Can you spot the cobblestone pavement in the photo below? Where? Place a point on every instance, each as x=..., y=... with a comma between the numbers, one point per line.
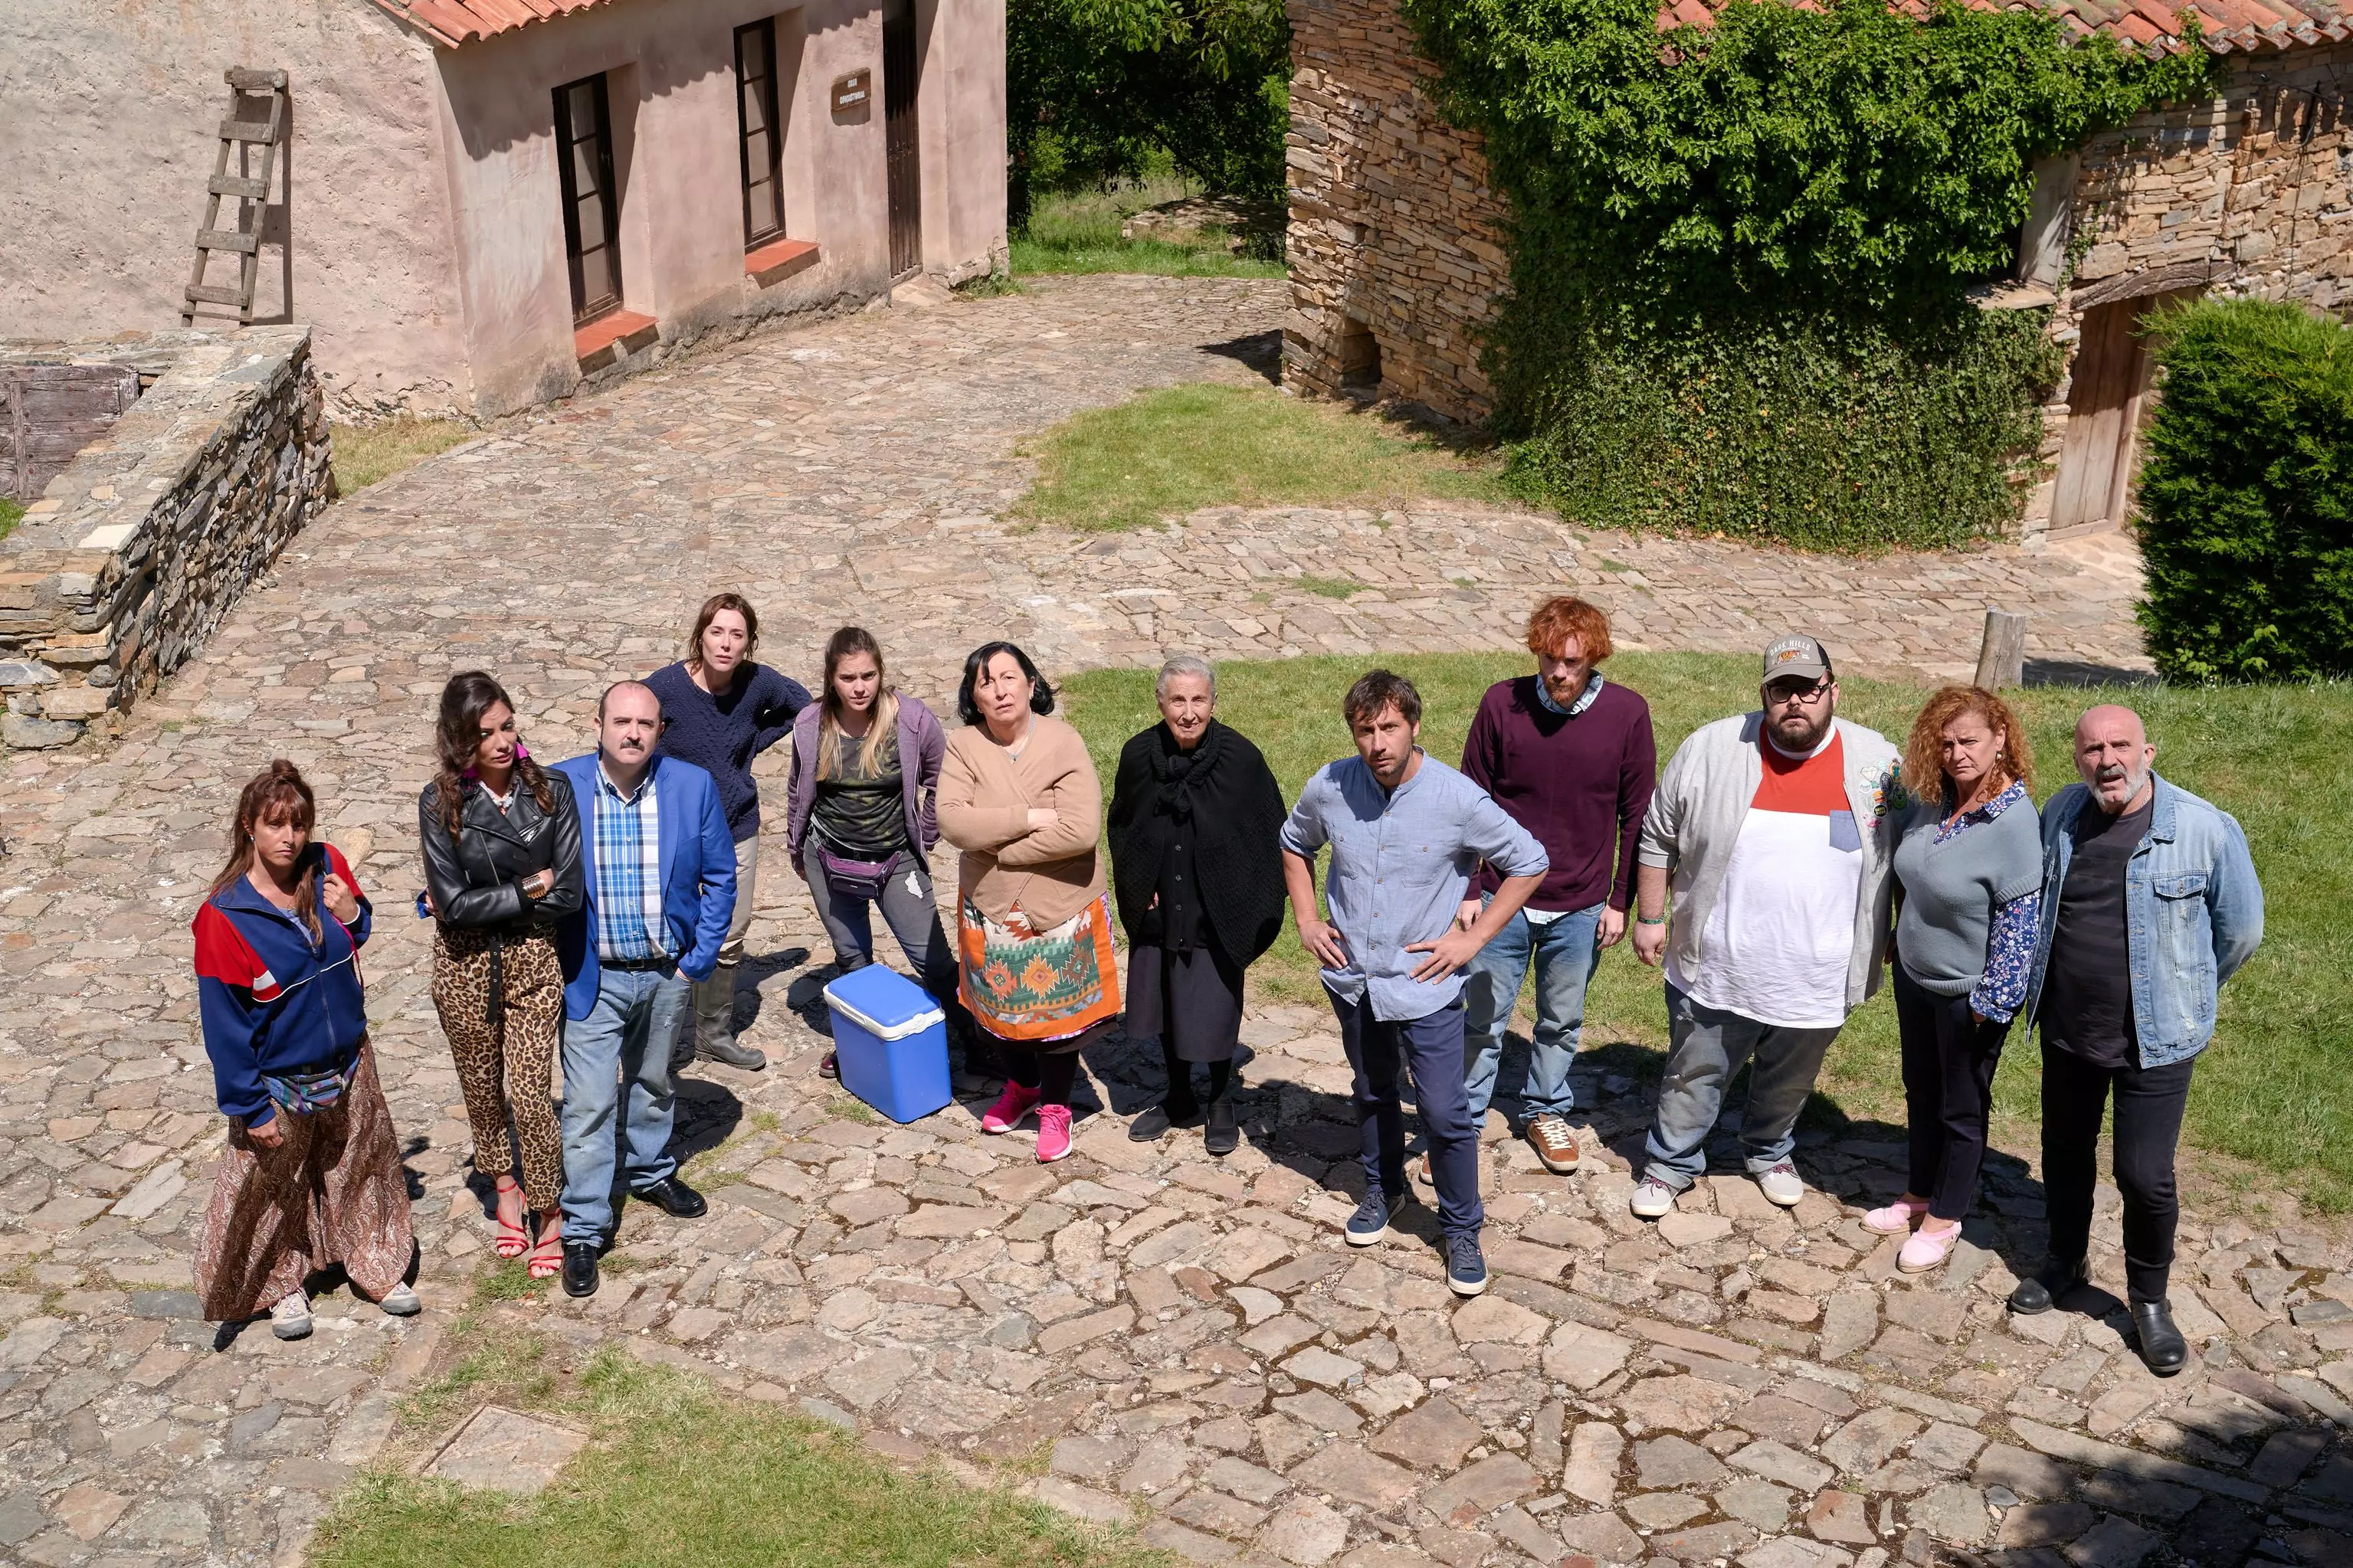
x=1187, y=1337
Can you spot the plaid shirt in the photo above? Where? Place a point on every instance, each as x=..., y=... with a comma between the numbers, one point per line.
x=628, y=873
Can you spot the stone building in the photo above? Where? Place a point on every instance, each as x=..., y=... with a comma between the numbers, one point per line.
x=1397, y=253
x=482, y=202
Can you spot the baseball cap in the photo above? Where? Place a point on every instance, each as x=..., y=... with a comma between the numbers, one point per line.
x=1796, y=654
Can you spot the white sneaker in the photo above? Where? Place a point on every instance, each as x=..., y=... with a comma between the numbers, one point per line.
x=1652, y=1197
x=1780, y=1183
x=401, y=1301
x=290, y=1319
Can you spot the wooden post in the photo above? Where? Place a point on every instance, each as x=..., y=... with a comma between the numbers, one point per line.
x=2001, y=657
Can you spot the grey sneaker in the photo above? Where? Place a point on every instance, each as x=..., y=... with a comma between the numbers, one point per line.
x=401, y=1301
x=1652, y=1197
x=290, y=1319
x=1781, y=1184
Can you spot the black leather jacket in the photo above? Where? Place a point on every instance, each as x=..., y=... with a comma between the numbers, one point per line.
x=476, y=878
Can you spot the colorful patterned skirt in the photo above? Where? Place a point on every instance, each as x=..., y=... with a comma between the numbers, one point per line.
x=1039, y=990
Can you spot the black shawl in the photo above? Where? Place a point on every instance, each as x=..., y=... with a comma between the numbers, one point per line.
x=1237, y=811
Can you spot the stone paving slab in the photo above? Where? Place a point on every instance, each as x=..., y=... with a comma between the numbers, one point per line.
x=1177, y=1335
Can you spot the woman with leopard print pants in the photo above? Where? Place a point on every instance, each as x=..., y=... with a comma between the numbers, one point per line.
x=501, y=845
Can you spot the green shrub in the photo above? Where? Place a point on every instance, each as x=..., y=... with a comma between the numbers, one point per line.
x=1822, y=434
x=2246, y=499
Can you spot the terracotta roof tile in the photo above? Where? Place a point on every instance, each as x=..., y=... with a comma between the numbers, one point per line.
x=2231, y=27
x=456, y=22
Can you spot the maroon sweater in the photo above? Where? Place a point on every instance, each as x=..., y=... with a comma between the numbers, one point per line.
x=1581, y=784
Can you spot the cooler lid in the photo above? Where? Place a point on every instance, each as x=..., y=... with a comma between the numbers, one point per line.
x=883, y=1002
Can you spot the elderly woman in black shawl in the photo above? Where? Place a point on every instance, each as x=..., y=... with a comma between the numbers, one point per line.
x=1198, y=870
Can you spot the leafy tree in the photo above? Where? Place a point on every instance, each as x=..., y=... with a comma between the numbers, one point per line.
x=1100, y=89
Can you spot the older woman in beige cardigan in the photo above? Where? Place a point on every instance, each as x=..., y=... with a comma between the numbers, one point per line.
x=1019, y=795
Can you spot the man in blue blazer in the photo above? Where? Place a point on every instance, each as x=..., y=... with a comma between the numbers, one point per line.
x=662, y=887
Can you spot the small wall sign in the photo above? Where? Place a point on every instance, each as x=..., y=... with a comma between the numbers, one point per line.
x=852, y=91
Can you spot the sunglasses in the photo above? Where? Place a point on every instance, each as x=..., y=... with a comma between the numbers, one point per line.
x=1805, y=692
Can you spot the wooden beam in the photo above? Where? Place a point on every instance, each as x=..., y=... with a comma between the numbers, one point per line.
x=2002, y=655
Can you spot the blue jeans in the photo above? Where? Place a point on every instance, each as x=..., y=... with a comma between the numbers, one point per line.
x=1706, y=1048
x=623, y=1046
x=1432, y=1048
x=1564, y=952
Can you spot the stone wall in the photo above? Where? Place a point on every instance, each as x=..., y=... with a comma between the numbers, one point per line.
x=2251, y=194
x=1397, y=245
x=132, y=555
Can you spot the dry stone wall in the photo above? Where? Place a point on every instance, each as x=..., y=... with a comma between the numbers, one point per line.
x=1397, y=243
x=133, y=554
x=2251, y=194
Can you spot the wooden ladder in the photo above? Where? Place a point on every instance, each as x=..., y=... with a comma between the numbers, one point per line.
x=252, y=189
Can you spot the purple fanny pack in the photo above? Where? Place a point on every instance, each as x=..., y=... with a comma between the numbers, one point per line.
x=855, y=879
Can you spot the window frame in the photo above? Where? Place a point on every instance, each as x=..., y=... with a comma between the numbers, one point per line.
x=755, y=234
x=567, y=140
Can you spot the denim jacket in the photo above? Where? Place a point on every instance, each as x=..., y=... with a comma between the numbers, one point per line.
x=2193, y=911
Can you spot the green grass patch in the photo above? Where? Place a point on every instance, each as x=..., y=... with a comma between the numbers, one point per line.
x=1326, y=587
x=1171, y=451
x=678, y=1476
x=364, y=454
x=1080, y=233
x=11, y=514
x=2271, y=1093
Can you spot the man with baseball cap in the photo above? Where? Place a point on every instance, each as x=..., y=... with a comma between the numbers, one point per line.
x=1774, y=829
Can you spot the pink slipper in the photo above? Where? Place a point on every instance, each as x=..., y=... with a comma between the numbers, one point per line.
x=1924, y=1249
x=1011, y=1107
x=1896, y=1218
x=1053, y=1132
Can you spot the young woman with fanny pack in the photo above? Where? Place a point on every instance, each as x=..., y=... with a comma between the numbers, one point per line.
x=310, y=1175
x=860, y=823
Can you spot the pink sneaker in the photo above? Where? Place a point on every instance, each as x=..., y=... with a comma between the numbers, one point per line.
x=1924, y=1249
x=1053, y=1132
x=1011, y=1107
x=1896, y=1218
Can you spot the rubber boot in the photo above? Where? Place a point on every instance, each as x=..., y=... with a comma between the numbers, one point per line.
x=714, y=1023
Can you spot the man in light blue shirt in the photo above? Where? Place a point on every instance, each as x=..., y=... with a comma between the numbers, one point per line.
x=1407, y=833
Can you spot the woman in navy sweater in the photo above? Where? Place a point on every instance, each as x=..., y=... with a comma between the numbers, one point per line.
x=310, y=1177
x=720, y=711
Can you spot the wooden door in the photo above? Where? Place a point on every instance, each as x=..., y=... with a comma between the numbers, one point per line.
x=2105, y=409
x=48, y=412
x=901, y=66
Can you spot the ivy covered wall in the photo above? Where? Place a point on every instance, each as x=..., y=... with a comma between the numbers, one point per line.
x=1737, y=259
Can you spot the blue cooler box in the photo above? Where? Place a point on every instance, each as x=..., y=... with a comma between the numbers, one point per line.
x=891, y=1040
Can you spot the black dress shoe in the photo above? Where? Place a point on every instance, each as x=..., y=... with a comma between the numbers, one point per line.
x=1156, y=1119
x=580, y=1269
x=2041, y=1291
x=2160, y=1344
x=673, y=1197
x=1223, y=1135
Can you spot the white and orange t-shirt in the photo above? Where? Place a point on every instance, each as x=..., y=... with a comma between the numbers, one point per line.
x=1781, y=936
